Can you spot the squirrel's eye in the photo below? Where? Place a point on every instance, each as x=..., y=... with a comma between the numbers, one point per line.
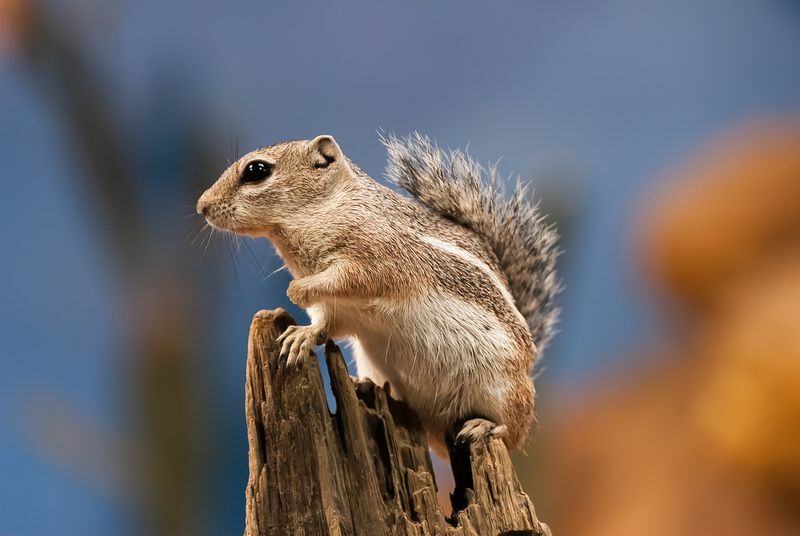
x=256, y=171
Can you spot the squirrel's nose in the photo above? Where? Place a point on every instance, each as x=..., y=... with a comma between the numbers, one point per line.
x=203, y=204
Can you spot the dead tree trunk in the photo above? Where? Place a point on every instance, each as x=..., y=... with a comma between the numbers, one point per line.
x=365, y=469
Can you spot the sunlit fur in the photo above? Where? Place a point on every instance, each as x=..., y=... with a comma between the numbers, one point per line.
x=419, y=288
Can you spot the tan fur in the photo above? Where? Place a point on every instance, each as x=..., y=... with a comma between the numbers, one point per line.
x=423, y=297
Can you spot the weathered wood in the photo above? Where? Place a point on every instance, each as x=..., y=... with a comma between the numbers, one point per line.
x=365, y=469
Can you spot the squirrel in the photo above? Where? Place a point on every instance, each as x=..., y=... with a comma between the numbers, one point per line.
x=449, y=297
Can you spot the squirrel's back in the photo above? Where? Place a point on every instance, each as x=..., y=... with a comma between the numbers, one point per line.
x=455, y=186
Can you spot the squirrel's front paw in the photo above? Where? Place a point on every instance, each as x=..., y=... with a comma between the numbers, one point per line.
x=299, y=294
x=297, y=341
x=476, y=429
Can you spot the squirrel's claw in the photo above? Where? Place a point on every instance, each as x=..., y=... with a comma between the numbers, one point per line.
x=297, y=341
x=476, y=429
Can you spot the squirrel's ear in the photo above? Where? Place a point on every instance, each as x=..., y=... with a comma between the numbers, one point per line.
x=324, y=151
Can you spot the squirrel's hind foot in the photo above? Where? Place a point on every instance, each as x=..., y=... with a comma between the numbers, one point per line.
x=478, y=429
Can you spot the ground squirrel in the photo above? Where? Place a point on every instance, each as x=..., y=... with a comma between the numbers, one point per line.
x=450, y=298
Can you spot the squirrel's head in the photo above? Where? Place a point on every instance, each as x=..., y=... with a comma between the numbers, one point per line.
x=269, y=187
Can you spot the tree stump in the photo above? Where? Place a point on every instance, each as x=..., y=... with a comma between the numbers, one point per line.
x=365, y=469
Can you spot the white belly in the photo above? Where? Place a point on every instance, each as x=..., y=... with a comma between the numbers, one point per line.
x=445, y=357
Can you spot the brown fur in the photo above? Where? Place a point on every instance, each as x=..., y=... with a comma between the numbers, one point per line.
x=353, y=244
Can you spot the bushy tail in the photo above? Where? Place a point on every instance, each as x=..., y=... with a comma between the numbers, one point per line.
x=454, y=185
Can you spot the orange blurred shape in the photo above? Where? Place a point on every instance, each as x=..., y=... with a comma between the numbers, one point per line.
x=750, y=407
x=708, y=440
x=725, y=212
x=16, y=17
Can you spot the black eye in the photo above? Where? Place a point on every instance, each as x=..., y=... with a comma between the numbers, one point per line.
x=256, y=171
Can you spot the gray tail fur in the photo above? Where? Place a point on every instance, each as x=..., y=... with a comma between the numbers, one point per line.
x=454, y=185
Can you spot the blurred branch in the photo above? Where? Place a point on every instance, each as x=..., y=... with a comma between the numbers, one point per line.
x=64, y=72
x=163, y=385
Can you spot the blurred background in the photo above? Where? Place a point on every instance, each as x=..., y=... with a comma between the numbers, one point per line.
x=662, y=137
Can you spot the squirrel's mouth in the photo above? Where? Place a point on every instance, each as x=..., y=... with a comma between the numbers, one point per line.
x=226, y=221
